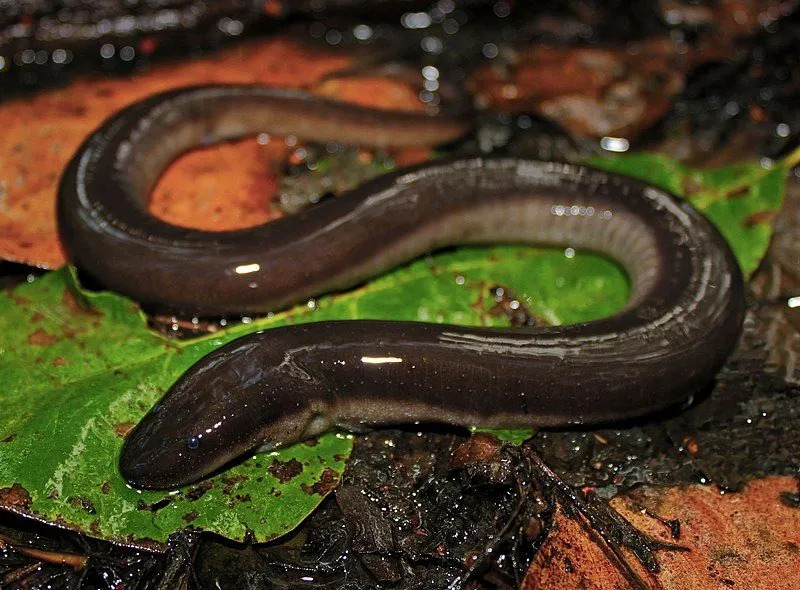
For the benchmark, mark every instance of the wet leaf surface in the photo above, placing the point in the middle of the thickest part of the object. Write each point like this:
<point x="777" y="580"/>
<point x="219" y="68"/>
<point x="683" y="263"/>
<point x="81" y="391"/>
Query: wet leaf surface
<point x="78" y="370"/>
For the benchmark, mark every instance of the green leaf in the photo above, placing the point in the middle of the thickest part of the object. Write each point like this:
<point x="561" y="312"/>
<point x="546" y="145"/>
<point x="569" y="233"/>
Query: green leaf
<point x="78" y="369"/>
<point x="515" y="436"/>
<point x="741" y="199"/>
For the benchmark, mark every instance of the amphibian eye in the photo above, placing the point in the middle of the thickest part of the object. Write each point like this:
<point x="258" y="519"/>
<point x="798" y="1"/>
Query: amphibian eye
<point x="193" y="442"/>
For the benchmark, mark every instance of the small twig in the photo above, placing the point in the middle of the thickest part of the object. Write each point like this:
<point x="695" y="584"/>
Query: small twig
<point x="177" y="327"/>
<point x="499" y="537"/>
<point x="788" y="162"/>
<point x="599" y="520"/>
<point x="672" y="524"/>
<point x="792" y="499"/>
<point x="180" y="558"/>
<point x="77" y="562"/>
<point x="21" y="573"/>
<point x="791" y="159"/>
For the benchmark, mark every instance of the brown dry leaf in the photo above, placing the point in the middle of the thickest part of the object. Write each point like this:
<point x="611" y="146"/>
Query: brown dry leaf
<point x="736" y="540"/>
<point x="590" y="91"/>
<point x="42" y="132"/>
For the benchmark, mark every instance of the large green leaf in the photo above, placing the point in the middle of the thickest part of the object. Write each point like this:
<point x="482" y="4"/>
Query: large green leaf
<point x="77" y="369"/>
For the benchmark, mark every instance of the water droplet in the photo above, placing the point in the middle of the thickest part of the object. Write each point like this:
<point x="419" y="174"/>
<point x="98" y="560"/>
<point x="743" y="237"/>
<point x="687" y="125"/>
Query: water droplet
<point x="450" y="26"/>
<point x="316" y="30"/>
<point x="362" y="32"/>
<point x="416" y="20"/>
<point x="333" y="37"/>
<point x="614" y="144"/>
<point x="127" y="53"/>
<point x="430" y="73"/>
<point x="490" y="51"/>
<point x="502" y="9"/>
<point x="447" y="6"/>
<point x="432" y="45"/>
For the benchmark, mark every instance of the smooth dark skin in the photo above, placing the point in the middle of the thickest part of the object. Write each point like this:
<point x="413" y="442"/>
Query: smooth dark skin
<point x="282" y="385"/>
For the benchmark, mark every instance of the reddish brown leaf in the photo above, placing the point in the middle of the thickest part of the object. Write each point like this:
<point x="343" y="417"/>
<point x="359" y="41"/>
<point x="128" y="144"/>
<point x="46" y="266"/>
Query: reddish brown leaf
<point x="218" y="188"/>
<point x="737" y="540"/>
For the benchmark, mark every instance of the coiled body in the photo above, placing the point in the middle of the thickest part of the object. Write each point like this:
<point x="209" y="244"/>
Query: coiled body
<point x="285" y="384"/>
